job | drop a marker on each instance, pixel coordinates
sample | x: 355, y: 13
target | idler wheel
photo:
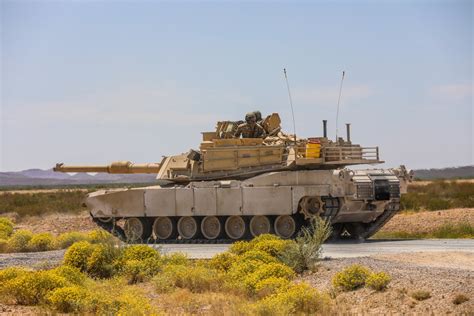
x: 285, y: 226
x: 163, y: 227
x: 259, y: 225
x: 235, y: 227
x: 211, y: 227
x: 187, y: 227
x: 136, y: 229
x: 104, y: 219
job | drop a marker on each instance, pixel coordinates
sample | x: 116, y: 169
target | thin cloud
x: 455, y: 92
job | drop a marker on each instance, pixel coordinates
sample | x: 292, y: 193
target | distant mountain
x: 466, y: 172
x: 39, y: 177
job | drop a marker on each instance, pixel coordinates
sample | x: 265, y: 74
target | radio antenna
x: 338, y: 102
x: 291, y: 104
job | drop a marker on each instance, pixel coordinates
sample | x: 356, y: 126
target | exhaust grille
x: 365, y: 190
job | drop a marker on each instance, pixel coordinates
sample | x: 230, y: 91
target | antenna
x: 338, y: 101
x: 291, y: 103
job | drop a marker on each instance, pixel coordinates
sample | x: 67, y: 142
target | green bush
x: 41, y: 242
x: 305, y: 252
x: 378, y: 281
x: 18, y: 242
x: 420, y: 295
x: 78, y: 254
x: 438, y: 195
x: 66, y: 240
x: 351, y: 278
x: 42, y: 203
x: 71, y: 299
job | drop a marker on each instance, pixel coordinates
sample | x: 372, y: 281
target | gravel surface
x: 443, y: 284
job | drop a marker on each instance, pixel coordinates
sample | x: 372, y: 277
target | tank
x: 236, y: 188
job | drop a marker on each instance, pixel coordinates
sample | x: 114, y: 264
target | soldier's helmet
x: 258, y: 115
x: 250, y: 117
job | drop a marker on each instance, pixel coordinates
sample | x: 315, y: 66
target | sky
x: 91, y: 82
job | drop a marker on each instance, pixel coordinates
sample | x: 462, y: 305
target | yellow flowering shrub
x: 176, y: 258
x: 240, y: 247
x: 6, y: 227
x: 40, y: 242
x: 66, y: 240
x: 114, y: 297
x: 100, y: 261
x: 222, y: 261
x: 100, y: 236
x: 71, y: 299
x: 271, y: 244
x: 136, y: 271
x: 3, y: 245
x: 139, y: 252
x: 351, y: 278
x: 378, y: 281
x: 18, y: 241
x: 296, y: 299
x: 265, y: 271
x: 31, y: 288
x: 271, y: 285
x: 71, y: 274
x: 194, y: 278
x: 257, y: 255
x: 78, y: 254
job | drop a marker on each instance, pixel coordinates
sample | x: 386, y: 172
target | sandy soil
x: 428, y: 221
x: 57, y: 223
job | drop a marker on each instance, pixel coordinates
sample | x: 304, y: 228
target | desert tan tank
x: 235, y: 188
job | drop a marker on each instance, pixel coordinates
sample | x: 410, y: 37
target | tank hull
x: 357, y: 203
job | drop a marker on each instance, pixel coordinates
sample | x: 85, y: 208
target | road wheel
x: 187, y: 227
x: 164, y: 227
x: 137, y: 229
x: 285, y: 226
x: 235, y: 227
x: 259, y: 225
x: 211, y: 227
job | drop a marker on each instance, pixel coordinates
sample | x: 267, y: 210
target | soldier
x: 250, y: 129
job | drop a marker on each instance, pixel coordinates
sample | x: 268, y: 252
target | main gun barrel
x: 114, y: 167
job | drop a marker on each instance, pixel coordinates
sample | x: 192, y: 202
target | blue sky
x: 99, y: 81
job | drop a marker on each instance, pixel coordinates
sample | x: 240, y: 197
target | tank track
x: 118, y: 232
